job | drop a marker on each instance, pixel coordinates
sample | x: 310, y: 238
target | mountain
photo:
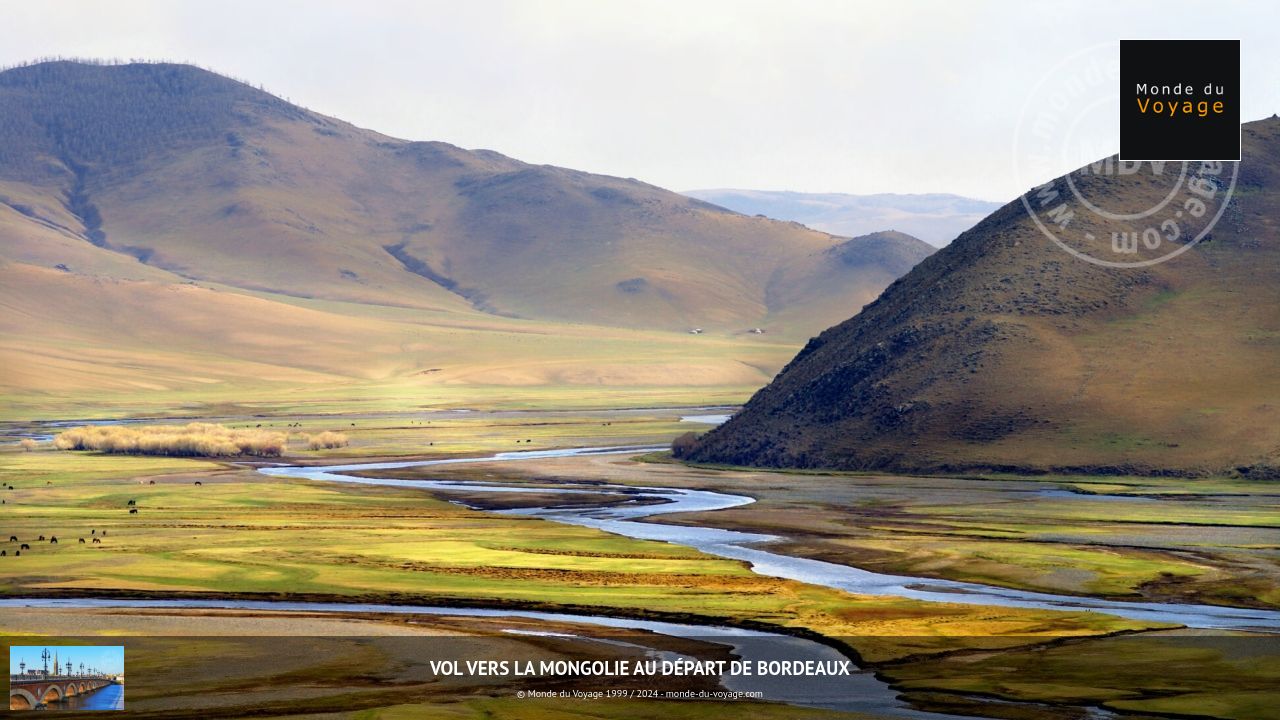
x: 935, y: 218
x: 172, y: 173
x: 1004, y: 352
x: 855, y: 271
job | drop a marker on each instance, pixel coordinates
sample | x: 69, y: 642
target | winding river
x: 859, y: 692
x: 625, y: 519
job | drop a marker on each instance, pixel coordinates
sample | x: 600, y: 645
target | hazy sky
x: 847, y: 96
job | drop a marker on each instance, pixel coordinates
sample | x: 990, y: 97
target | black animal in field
x: 13, y: 538
x: 53, y: 540
x: 24, y: 546
x: 133, y: 502
x: 96, y: 541
x: 133, y: 511
x: 81, y: 541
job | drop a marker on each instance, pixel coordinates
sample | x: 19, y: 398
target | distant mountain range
x: 128, y: 187
x: 935, y: 218
x: 1004, y: 352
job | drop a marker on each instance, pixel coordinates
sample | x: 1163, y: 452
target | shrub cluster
x: 191, y: 440
x: 683, y: 445
x: 326, y: 441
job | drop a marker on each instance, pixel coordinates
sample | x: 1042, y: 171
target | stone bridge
x: 30, y: 692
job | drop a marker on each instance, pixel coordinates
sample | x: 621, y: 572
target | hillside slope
x: 168, y: 171
x: 1002, y: 351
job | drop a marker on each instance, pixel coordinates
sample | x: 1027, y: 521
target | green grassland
x: 1215, y: 540
x: 1177, y: 674
x: 241, y: 533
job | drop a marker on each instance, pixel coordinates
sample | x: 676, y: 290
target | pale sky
x: 857, y: 97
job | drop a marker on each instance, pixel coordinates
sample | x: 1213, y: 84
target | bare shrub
x: 681, y: 446
x: 191, y: 440
x: 327, y: 441
x: 27, y: 444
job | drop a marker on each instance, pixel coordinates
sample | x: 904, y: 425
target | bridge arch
x: 20, y: 699
x: 53, y: 693
x: 70, y: 689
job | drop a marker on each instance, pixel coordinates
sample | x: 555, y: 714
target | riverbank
x: 1213, y: 542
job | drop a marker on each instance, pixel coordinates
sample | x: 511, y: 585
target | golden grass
x: 140, y: 355
x: 190, y: 440
x: 327, y: 441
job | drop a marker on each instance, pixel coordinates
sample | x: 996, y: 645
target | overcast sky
x: 798, y: 95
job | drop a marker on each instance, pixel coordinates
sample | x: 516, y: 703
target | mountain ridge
x: 936, y: 218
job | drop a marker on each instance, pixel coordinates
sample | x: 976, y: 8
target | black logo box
x: 1179, y: 65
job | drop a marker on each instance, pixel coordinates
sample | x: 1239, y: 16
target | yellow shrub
x: 191, y: 440
x: 327, y: 440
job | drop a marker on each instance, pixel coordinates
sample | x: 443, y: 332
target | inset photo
x: 66, y: 677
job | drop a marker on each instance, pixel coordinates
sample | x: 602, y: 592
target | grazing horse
x: 153, y: 482
x: 13, y: 538
x: 199, y: 483
x: 93, y: 532
x: 3, y: 553
x: 96, y: 541
x: 53, y: 540
x: 133, y: 511
x: 41, y: 538
x: 81, y: 541
x: 24, y: 546
x: 133, y: 502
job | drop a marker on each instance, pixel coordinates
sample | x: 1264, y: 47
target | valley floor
x: 242, y: 534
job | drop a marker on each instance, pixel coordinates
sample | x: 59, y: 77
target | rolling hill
x: 165, y: 228
x: 1003, y: 352
x: 936, y: 218
x: 209, y: 179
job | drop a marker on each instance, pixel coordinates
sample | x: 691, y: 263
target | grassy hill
x: 166, y: 229
x: 1002, y: 351
x: 210, y: 179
